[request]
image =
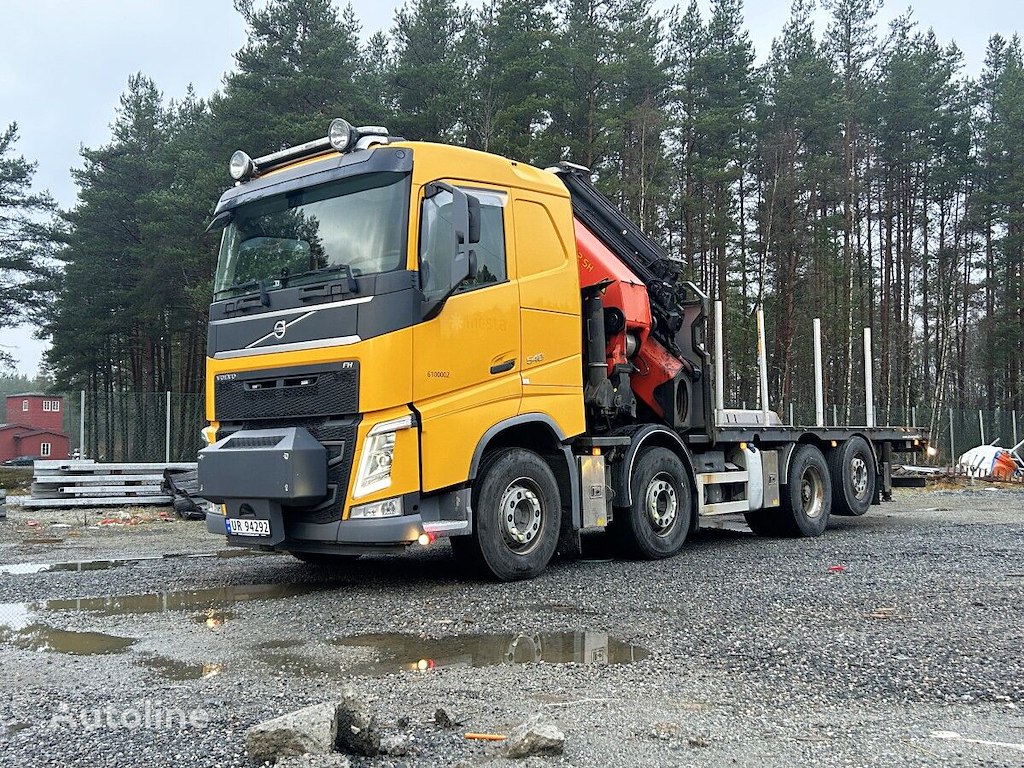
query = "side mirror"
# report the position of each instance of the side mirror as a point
(474, 219)
(446, 232)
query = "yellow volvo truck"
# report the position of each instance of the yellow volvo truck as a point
(410, 341)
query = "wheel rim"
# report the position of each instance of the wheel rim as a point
(859, 477)
(812, 492)
(521, 515)
(661, 503)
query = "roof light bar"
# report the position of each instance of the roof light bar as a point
(341, 136)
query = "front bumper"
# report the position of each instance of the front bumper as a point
(377, 533)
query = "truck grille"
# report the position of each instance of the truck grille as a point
(314, 391)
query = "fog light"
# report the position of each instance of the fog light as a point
(425, 539)
(383, 508)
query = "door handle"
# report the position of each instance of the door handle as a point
(508, 365)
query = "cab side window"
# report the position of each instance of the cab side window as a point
(490, 251)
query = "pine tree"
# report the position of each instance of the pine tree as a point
(798, 137)
(581, 83)
(639, 71)
(428, 75)
(508, 84)
(850, 41)
(299, 68)
(26, 239)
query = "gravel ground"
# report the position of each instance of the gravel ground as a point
(858, 648)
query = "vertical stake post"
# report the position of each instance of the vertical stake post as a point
(762, 362)
(167, 434)
(869, 391)
(81, 425)
(819, 396)
(952, 441)
(981, 426)
(719, 364)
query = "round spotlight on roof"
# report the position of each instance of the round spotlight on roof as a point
(341, 134)
(241, 166)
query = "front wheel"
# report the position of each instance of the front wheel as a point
(517, 511)
(656, 524)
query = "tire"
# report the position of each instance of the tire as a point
(853, 472)
(517, 512)
(806, 499)
(655, 526)
(323, 560)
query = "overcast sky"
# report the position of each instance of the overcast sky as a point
(65, 63)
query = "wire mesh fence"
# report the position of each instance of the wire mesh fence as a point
(134, 426)
(162, 426)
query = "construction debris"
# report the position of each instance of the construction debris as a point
(86, 483)
(991, 461)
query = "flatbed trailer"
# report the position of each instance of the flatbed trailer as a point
(411, 341)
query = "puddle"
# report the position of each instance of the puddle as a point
(25, 569)
(20, 627)
(174, 669)
(180, 600)
(411, 652)
(39, 637)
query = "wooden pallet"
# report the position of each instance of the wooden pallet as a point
(87, 483)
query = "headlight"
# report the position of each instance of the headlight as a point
(378, 455)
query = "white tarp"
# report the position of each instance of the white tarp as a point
(981, 461)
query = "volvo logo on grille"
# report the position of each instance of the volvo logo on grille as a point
(279, 328)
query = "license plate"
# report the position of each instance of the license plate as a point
(244, 526)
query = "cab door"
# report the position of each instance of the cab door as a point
(467, 360)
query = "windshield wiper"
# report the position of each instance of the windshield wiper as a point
(245, 287)
(353, 284)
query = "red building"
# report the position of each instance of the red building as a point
(34, 428)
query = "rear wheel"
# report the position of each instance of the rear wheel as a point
(657, 522)
(853, 473)
(806, 501)
(517, 510)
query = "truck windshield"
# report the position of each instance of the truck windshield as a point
(311, 234)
